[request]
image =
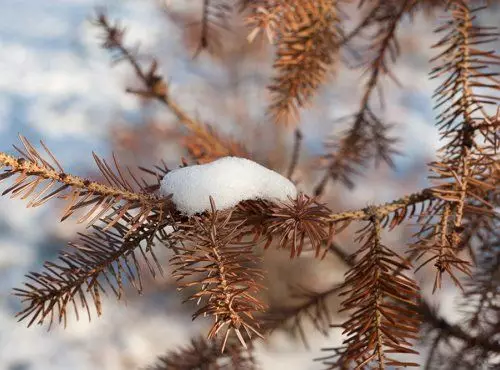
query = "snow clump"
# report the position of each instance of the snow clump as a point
(228, 180)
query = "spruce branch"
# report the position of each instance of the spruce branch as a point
(470, 137)
(296, 224)
(205, 355)
(382, 302)
(123, 213)
(295, 153)
(307, 222)
(482, 291)
(315, 309)
(214, 258)
(224, 272)
(41, 179)
(262, 16)
(306, 34)
(307, 46)
(441, 325)
(398, 206)
(213, 21)
(104, 258)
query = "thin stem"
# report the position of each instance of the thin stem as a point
(295, 153)
(456, 331)
(383, 209)
(30, 168)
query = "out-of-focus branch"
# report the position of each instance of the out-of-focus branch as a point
(295, 153)
(446, 329)
(367, 136)
(213, 144)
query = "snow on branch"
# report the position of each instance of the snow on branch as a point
(228, 180)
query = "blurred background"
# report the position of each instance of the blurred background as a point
(57, 85)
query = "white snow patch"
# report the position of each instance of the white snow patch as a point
(228, 180)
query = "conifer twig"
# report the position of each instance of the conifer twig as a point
(295, 153)
(214, 145)
(228, 282)
(382, 302)
(367, 136)
(455, 331)
(119, 196)
(31, 168)
(384, 209)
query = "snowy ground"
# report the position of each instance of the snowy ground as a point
(57, 85)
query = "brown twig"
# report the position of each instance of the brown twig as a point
(353, 149)
(383, 209)
(31, 168)
(295, 154)
(158, 89)
(455, 331)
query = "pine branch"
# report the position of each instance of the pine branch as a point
(481, 294)
(215, 260)
(480, 300)
(295, 153)
(306, 34)
(480, 228)
(448, 330)
(224, 274)
(213, 21)
(123, 213)
(400, 209)
(263, 16)
(295, 224)
(306, 222)
(314, 310)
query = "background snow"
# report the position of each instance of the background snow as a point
(228, 181)
(57, 85)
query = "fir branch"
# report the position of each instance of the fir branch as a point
(295, 224)
(448, 330)
(295, 153)
(433, 238)
(305, 221)
(480, 300)
(216, 257)
(315, 309)
(398, 206)
(480, 228)
(263, 16)
(213, 21)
